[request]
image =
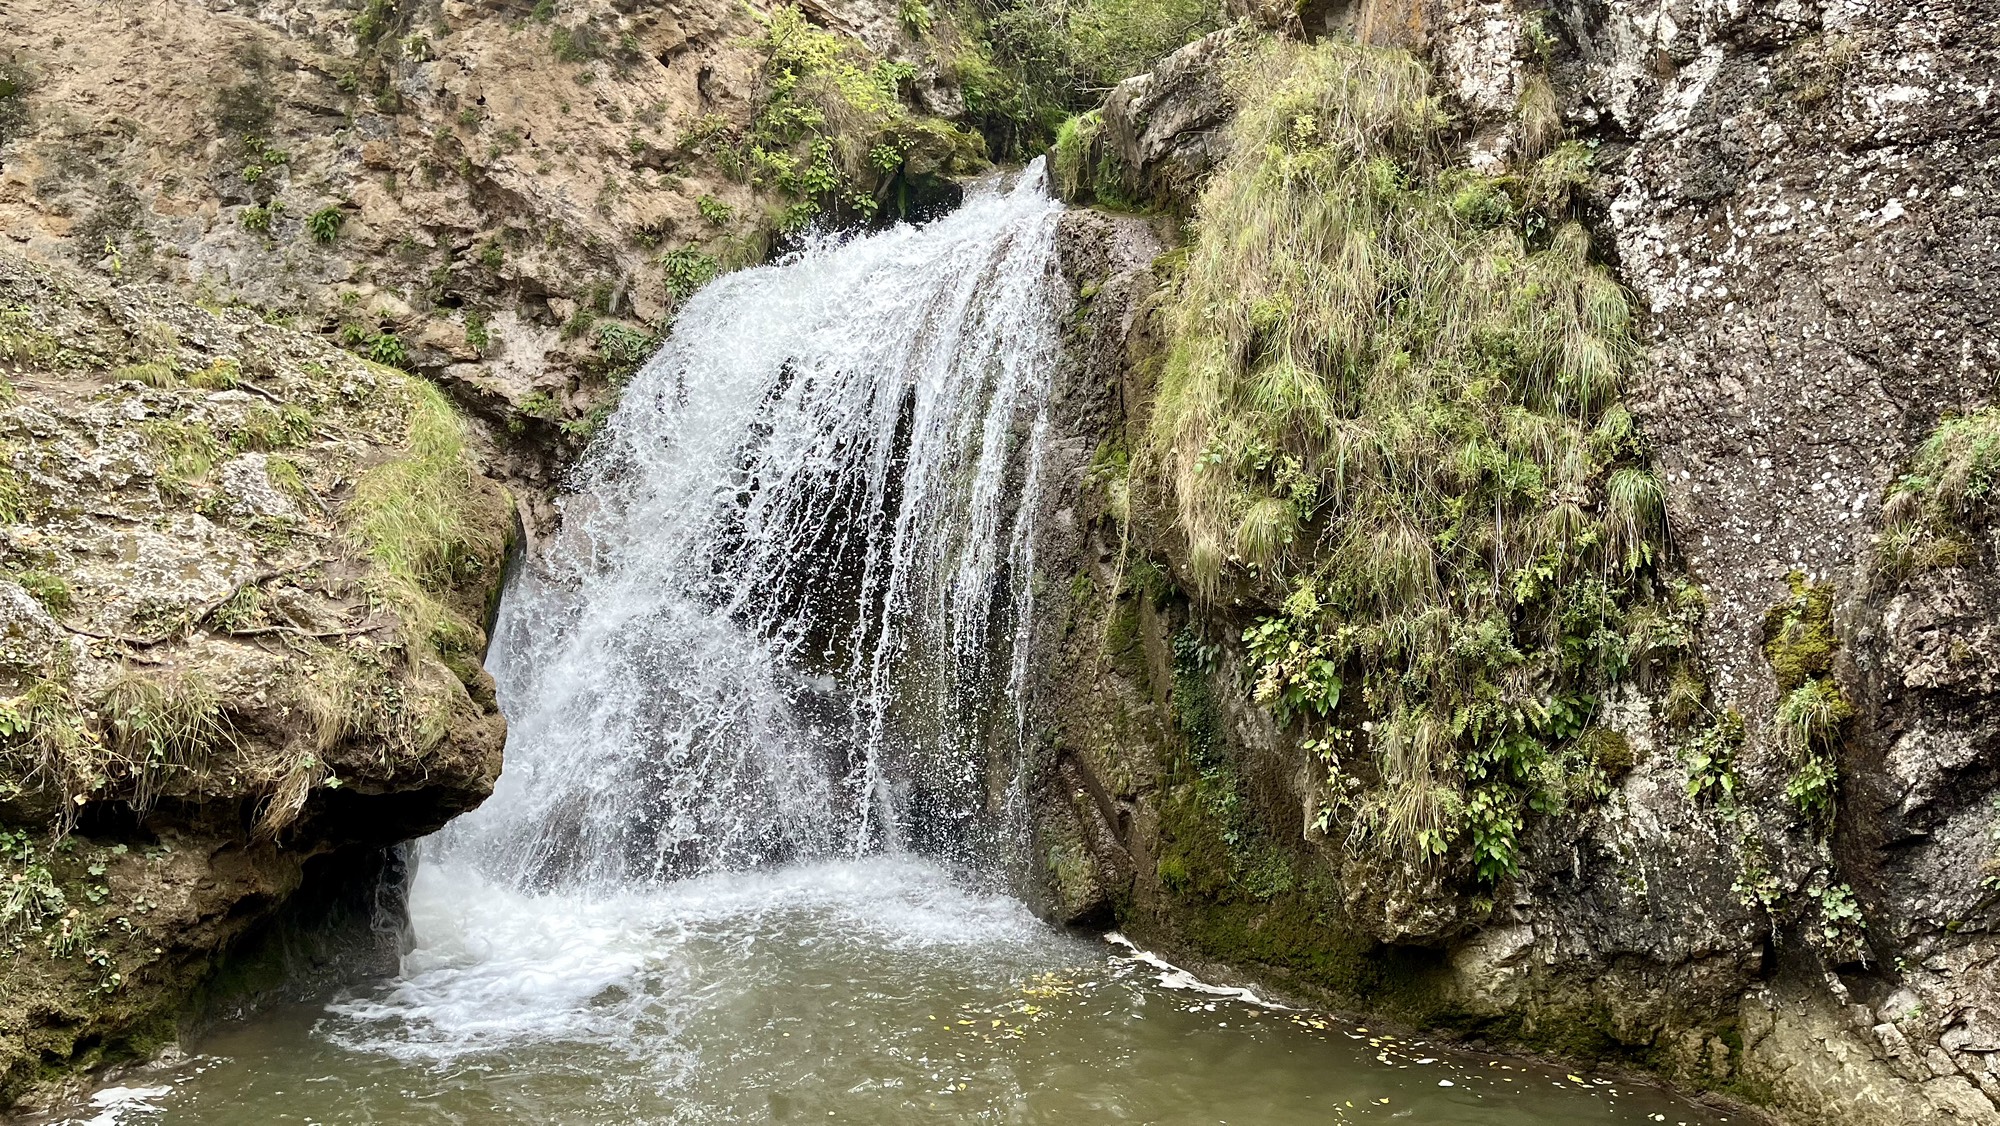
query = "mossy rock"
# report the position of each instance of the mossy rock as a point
(1798, 637)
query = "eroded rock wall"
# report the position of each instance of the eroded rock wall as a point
(243, 582)
(1800, 196)
(517, 193)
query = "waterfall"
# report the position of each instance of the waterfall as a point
(783, 616)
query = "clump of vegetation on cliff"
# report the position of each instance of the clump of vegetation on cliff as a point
(1390, 412)
(1799, 642)
(420, 518)
(833, 132)
(1061, 56)
(1082, 168)
(1954, 480)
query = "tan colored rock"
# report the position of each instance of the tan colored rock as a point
(210, 675)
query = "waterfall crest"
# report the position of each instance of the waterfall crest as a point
(781, 619)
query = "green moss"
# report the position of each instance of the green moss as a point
(1123, 640)
(1610, 750)
(1196, 712)
(1798, 635)
(15, 499)
(15, 85)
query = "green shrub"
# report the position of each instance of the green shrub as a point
(578, 44)
(265, 428)
(260, 217)
(622, 349)
(478, 334)
(687, 270)
(324, 225)
(915, 16)
(14, 499)
(377, 24)
(185, 451)
(1812, 789)
(387, 348)
(713, 209)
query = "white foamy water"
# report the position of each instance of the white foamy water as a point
(777, 621)
(496, 969)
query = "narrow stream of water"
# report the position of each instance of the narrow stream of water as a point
(761, 779)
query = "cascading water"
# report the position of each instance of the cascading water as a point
(772, 625)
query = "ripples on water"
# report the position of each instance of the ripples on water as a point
(871, 991)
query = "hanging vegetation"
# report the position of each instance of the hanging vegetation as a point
(1390, 414)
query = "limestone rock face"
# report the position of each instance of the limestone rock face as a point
(494, 184)
(230, 675)
(1163, 129)
(479, 162)
(1796, 196)
(1801, 197)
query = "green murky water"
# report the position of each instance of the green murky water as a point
(860, 992)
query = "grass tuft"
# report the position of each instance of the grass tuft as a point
(152, 373)
(49, 589)
(159, 729)
(413, 516)
(1951, 486)
(1390, 406)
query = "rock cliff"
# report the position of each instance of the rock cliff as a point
(1785, 891)
(506, 197)
(244, 582)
